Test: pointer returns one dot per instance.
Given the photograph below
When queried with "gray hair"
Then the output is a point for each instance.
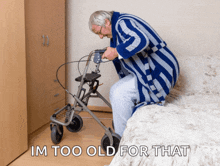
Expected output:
(98, 18)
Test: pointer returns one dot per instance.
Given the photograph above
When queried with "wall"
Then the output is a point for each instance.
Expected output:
(190, 28)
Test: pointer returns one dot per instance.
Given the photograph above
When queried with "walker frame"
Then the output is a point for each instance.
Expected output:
(80, 104)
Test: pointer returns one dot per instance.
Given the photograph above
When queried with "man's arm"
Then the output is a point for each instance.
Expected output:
(134, 40)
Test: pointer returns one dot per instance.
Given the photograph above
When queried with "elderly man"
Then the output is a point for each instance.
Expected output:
(147, 68)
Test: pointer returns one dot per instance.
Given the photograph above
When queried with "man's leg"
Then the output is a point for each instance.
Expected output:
(123, 96)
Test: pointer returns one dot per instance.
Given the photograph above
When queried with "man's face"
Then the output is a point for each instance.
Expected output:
(103, 31)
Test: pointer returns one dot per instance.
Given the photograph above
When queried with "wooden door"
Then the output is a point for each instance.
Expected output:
(44, 55)
(13, 99)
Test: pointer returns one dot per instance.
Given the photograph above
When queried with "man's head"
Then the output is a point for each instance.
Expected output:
(100, 23)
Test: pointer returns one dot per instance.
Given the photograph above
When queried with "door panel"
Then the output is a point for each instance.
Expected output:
(44, 18)
(13, 99)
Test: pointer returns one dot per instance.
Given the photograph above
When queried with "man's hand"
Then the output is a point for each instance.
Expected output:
(110, 53)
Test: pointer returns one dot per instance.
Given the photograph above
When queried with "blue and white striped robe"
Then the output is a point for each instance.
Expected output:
(143, 53)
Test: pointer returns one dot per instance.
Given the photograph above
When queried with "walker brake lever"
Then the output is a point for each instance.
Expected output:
(98, 56)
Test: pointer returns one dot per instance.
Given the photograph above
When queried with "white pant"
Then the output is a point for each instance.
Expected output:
(123, 95)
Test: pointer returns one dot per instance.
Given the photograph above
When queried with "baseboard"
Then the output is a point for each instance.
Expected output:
(99, 108)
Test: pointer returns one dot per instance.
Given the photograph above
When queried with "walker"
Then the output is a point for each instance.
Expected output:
(73, 121)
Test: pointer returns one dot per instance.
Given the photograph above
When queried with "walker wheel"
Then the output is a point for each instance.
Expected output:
(76, 124)
(55, 135)
(106, 142)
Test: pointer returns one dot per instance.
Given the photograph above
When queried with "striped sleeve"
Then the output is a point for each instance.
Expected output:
(133, 39)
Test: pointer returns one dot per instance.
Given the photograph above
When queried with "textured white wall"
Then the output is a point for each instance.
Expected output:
(190, 28)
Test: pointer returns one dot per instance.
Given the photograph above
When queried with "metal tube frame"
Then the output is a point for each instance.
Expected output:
(74, 108)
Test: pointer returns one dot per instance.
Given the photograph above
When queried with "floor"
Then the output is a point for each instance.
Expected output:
(90, 135)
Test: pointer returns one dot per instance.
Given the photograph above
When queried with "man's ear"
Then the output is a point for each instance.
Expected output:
(107, 22)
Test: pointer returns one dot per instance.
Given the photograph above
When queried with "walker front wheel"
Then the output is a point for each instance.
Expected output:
(105, 142)
(56, 133)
